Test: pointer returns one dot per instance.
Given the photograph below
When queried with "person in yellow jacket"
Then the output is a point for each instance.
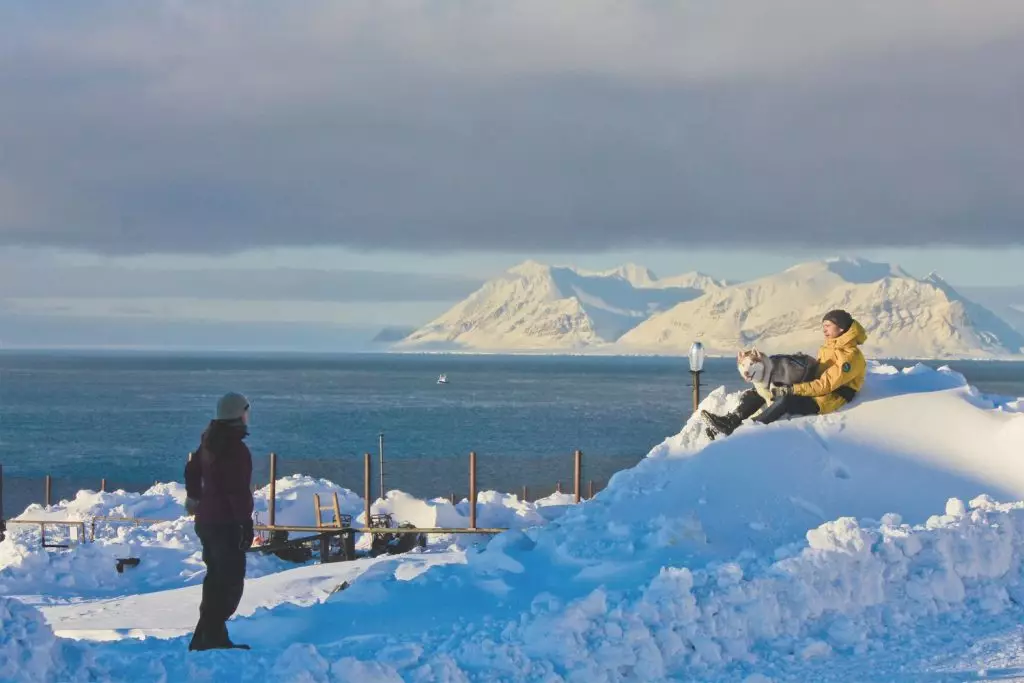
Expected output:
(840, 375)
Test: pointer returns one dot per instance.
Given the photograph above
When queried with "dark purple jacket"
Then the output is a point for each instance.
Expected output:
(219, 475)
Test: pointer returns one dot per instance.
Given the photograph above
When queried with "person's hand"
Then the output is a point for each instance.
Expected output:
(781, 391)
(191, 505)
(246, 535)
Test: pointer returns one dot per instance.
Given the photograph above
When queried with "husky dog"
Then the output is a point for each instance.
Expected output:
(783, 369)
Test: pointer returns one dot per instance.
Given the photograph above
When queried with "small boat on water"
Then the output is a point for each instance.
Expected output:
(442, 379)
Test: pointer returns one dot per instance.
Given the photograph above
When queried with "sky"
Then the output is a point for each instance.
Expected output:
(230, 174)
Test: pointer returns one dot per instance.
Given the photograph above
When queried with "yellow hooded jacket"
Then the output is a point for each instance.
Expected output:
(840, 363)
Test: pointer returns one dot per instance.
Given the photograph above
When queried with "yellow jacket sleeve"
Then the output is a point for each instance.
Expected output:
(838, 372)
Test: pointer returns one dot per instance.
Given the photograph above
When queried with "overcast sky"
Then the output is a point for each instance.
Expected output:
(381, 158)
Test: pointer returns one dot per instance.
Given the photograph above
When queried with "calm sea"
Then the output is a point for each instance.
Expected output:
(132, 418)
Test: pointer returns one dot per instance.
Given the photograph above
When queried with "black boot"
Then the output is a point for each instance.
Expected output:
(723, 424)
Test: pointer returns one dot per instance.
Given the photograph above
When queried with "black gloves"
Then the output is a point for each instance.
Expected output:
(245, 535)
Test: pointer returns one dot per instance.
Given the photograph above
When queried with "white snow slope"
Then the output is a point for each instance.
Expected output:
(905, 317)
(535, 307)
(865, 545)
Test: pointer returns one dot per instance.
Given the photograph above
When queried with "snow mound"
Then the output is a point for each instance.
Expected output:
(170, 551)
(30, 652)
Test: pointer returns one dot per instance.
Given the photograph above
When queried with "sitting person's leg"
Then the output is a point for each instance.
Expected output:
(788, 405)
(750, 403)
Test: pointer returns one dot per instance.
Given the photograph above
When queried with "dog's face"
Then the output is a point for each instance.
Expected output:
(751, 365)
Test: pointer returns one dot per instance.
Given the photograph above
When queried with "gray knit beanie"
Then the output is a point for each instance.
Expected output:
(231, 406)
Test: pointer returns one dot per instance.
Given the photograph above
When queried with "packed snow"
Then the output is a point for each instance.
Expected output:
(882, 542)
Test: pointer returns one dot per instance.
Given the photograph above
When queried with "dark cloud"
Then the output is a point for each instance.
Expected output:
(271, 284)
(503, 126)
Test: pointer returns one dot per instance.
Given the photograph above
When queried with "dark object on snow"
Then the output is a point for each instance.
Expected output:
(123, 562)
(392, 543)
(290, 551)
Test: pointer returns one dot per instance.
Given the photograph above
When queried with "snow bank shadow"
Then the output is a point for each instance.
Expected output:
(766, 485)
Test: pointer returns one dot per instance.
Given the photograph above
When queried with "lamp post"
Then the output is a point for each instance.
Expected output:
(696, 366)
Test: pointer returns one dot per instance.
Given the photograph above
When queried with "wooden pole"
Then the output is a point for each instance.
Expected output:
(103, 485)
(381, 449)
(577, 473)
(366, 489)
(49, 489)
(472, 489)
(272, 503)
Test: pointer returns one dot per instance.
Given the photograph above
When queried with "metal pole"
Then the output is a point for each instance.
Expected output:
(577, 474)
(590, 491)
(696, 388)
(526, 493)
(272, 503)
(49, 489)
(558, 486)
(472, 489)
(366, 489)
(381, 447)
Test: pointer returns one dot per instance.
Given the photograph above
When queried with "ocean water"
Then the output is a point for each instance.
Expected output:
(132, 418)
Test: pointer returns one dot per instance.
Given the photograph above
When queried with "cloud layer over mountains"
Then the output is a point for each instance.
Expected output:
(440, 125)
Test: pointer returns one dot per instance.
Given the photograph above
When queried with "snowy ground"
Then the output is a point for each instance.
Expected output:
(881, 543)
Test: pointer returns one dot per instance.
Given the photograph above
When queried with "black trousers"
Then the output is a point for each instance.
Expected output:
(751, 401)
(224, 555)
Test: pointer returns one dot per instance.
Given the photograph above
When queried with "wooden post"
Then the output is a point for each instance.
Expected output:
(103, 485)
(472, 489)
(366, 489)
(577, 473)
(272, 503)
(49, 489)
(381, 450)
(526, 493)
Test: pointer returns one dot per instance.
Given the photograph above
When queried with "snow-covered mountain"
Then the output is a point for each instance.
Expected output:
(537, 307)
(904, 316)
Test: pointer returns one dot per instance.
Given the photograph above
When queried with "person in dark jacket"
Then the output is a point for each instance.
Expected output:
(218, 488)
